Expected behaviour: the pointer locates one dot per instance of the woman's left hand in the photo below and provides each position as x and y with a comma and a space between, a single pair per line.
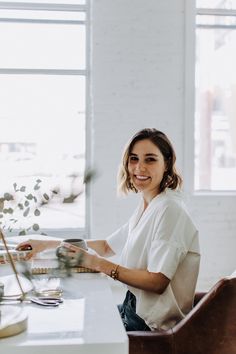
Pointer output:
85, 259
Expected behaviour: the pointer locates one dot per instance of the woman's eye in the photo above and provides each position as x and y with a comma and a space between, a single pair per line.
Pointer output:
133, 158
150, 159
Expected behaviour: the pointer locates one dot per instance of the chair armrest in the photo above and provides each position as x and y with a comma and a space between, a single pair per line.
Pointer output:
141, 342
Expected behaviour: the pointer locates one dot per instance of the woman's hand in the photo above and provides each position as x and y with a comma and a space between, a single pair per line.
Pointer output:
36, 246
83, 257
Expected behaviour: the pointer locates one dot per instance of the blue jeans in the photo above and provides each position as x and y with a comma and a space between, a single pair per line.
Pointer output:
131, 320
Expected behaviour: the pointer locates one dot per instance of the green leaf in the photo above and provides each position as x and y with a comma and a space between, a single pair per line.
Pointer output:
35, 199
22, 189
26, 212
70, 199
35, 227
88, 176
1, 216
38, 180
21, 233
5, 211
20, 206
37, 212
8, 196
1, 205
36, 187
15, 185
29, 196
26, 203
46, 196
10, 210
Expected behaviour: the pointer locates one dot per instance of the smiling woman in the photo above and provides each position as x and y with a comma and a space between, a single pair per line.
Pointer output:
158, 246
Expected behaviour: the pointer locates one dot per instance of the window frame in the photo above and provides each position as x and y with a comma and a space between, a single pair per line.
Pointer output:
59, 232
191, 12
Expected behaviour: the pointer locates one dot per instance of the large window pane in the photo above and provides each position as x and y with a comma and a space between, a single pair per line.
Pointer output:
42, 134
215, 130
48, 46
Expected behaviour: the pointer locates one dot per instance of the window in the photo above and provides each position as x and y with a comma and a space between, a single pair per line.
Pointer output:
43, 85
215, 101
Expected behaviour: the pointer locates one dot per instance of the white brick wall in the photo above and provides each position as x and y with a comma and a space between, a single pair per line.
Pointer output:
138, 78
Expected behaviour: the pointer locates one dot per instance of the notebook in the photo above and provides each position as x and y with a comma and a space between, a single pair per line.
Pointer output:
16, 255
45, 266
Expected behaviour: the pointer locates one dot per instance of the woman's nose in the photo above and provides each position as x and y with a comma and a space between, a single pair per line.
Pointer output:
140, 166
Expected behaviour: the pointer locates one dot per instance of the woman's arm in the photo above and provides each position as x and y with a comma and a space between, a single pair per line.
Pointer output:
101, 247
36, 246
141, 279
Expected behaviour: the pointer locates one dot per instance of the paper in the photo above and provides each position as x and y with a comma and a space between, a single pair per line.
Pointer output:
11, 287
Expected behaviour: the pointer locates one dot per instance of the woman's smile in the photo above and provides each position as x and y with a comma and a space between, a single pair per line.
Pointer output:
141, 178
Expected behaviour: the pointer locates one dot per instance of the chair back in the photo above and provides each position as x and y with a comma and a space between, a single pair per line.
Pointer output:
211, 326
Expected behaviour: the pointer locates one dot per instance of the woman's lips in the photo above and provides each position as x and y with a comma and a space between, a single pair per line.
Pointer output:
141, 178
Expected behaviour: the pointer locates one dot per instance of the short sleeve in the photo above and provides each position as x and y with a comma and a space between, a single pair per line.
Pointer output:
165, 257
171, 242
117, 239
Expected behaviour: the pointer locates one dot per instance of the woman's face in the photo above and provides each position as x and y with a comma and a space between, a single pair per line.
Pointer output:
146, 167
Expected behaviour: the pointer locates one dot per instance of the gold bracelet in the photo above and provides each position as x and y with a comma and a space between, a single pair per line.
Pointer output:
114, 273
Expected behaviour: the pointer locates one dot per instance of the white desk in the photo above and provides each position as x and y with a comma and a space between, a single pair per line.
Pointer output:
87, 322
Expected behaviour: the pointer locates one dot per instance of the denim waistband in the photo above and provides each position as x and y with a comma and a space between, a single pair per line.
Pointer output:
131, 320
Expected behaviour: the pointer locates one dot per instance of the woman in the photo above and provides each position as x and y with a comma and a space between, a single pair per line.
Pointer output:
159, 244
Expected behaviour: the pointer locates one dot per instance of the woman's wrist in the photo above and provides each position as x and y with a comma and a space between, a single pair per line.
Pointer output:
90, 261
115, 272
51, 244
102, 265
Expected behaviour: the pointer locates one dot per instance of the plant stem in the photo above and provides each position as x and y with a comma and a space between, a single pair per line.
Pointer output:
12, 264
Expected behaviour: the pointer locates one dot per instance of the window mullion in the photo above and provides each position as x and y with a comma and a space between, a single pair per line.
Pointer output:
20, 71
42, 21
42, 7
216, 12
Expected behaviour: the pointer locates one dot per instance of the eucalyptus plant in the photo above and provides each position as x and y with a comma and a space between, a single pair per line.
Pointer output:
26, 202
21, 204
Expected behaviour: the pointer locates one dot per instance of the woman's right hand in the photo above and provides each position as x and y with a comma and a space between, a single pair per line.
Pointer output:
36, 246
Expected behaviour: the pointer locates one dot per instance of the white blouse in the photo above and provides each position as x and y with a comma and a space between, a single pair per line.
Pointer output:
162, 239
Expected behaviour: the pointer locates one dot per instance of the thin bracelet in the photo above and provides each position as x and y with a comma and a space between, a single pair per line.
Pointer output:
114, 273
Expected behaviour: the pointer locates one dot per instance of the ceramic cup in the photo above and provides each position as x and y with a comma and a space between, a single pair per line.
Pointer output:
62, 252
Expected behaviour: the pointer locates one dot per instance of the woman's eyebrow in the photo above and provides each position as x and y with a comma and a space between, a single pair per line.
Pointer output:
148, 154
151, 154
